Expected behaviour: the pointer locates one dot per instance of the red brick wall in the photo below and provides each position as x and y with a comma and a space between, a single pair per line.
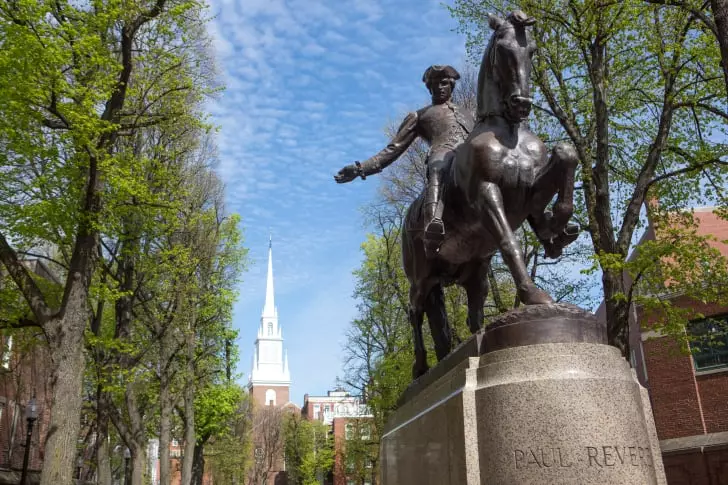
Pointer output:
258, 393
684, 404
307, 409
673, 390
339, 427
697, 468
713, 390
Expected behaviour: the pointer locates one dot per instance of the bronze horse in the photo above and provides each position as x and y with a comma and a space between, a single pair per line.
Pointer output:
500, 177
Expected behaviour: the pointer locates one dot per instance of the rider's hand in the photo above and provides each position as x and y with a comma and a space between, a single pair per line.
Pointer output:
347, 174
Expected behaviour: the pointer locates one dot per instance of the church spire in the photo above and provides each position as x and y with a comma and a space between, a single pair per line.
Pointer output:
269, 309
270, 371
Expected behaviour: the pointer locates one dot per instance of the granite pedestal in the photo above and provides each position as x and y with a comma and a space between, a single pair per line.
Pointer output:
535, 398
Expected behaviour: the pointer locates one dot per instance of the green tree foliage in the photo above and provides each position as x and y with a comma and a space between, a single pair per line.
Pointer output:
223, 428
361, 451
309, 450
637, 88
105, 155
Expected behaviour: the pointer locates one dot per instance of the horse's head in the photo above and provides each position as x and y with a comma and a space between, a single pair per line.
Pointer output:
508, 69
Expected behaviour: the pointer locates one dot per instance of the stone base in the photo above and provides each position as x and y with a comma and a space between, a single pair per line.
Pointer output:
514, 406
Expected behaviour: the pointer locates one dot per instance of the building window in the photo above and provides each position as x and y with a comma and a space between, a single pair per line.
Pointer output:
270, 328
8, 351
709, 342
270, 397
348, 431
366, 433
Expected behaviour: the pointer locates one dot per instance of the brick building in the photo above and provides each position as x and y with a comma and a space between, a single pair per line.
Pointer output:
24, 374
688, 391
350, 422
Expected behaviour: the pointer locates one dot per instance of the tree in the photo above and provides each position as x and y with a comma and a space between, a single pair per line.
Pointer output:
713, 15
309, 450
268, 443
67, 73
635, 87
223, 429
361, 451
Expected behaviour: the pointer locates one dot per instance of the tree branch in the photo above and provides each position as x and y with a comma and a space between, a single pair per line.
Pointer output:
693, 167
22, 278
19, 323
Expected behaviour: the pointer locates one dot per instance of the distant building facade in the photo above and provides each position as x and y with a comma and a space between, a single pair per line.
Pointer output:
349, 419
688, 391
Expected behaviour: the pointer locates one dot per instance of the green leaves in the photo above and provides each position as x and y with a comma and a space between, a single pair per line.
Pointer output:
309, 450
637, 87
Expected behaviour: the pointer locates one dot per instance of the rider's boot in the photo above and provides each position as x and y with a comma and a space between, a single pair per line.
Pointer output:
434, 227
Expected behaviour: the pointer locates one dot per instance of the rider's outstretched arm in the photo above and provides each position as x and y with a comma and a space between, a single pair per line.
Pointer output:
406, 134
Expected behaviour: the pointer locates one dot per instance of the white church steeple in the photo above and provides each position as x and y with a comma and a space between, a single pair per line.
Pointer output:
269, 309
270, 362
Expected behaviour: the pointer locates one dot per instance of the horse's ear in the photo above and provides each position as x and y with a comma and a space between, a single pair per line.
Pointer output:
494, 21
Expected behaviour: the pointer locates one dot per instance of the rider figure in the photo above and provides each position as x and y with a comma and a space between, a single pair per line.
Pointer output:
444, 126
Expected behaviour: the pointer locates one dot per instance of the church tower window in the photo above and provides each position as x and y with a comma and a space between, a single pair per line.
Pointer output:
270, 328
270, 397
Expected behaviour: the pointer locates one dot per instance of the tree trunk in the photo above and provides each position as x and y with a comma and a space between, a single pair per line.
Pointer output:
138, 464
165, 432
720, 14
198, 464
103, 463
65, 338
189, 402
617, 311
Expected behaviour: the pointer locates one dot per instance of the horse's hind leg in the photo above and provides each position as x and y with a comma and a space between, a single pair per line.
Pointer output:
496, 222
476, 287
416, 316
439, 325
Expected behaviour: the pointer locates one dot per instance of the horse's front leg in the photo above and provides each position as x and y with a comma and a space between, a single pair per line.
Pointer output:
565, 162
557, 177
490, 202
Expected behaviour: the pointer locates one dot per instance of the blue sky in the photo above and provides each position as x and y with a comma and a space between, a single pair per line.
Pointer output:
310, 86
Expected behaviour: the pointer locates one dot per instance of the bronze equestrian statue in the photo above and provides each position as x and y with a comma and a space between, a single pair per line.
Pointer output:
444, 126
500, 176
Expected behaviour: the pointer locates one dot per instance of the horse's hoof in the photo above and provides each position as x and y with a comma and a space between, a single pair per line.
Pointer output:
533, 295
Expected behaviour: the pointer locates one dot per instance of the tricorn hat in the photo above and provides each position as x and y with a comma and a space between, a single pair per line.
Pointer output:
439, 72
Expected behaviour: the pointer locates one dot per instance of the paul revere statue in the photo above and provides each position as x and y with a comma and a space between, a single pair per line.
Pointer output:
444, 126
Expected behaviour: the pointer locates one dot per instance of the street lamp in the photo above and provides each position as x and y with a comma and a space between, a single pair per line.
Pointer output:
31, 414
127, 471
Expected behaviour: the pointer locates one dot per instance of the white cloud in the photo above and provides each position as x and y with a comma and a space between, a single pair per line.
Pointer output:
310, 86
